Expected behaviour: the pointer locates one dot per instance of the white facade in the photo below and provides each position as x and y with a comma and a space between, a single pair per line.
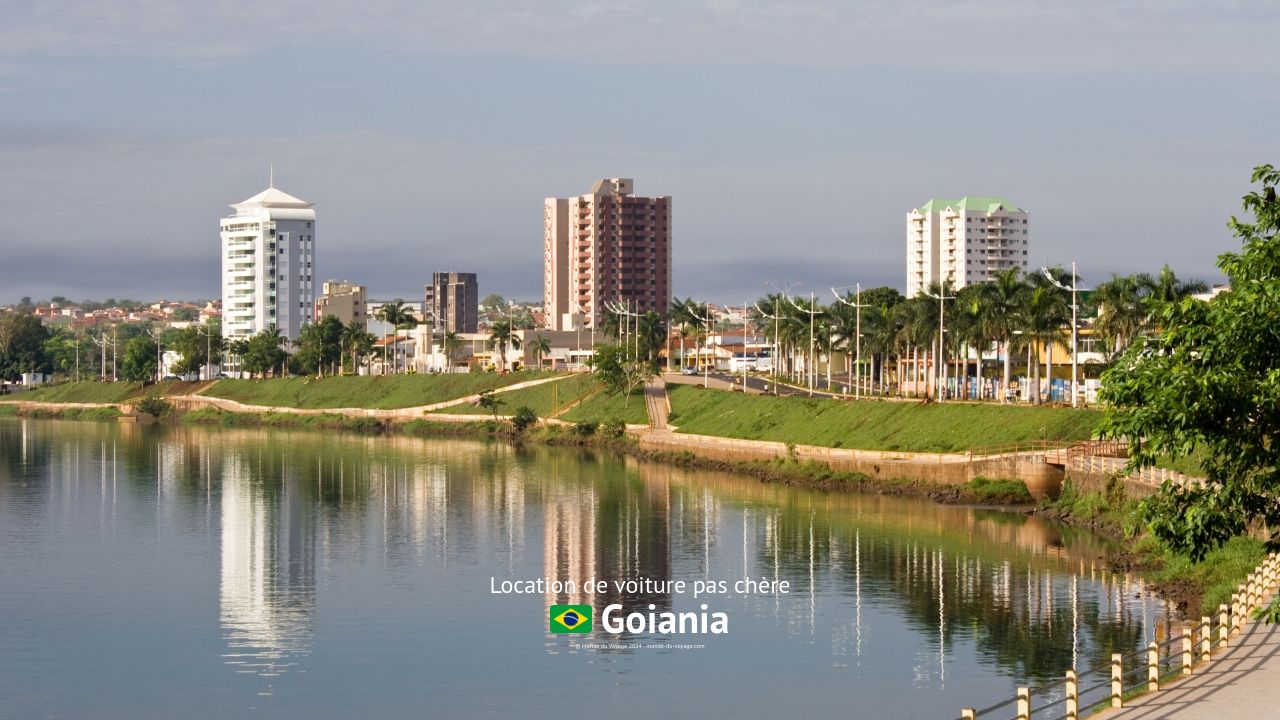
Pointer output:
268, 258
966, 241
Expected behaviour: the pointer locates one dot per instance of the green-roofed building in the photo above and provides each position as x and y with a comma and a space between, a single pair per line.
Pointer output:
963, 241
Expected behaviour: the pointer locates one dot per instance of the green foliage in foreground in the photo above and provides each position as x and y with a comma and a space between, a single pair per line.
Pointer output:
871, 424
1218, 573
1210, 382
379, 392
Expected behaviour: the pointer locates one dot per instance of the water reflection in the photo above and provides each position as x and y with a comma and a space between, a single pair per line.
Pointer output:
297, 518
268, 586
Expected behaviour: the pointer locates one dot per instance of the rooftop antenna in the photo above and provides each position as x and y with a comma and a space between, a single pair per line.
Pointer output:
271, 175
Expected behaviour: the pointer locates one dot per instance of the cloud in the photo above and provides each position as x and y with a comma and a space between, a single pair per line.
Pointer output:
1004, 35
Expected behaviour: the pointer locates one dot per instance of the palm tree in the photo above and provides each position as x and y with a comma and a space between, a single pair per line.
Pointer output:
356, 340
1045, 309
1167, 288
687, 314
651, 329
501, 336
450, 346
395, 314
970, 330
541, 346
1002, 302
1121, 305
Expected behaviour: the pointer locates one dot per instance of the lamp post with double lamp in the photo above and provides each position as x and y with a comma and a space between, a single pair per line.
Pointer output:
706, 369
624, 310
776, 317
208, 351
813, 312
1075, 328
857, 305
941, 372
159, 354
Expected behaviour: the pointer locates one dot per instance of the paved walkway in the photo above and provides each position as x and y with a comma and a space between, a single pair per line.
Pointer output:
1244, 682
655, 401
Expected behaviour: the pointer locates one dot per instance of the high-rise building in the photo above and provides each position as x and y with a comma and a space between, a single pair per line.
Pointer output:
965, 241
452, 301
602, 247
343, 300
268, 253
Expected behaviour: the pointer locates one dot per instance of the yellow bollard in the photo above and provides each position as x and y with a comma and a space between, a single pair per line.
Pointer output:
1024, 703
1153, 666
1073, 696
1186, 651
1117, 681
1206, 646
968, 714
1224, 624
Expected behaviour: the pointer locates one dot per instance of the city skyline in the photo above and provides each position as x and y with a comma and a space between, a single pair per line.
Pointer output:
793, 136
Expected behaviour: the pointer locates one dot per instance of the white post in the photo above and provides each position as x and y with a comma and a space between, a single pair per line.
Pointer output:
857, 387
1075, 338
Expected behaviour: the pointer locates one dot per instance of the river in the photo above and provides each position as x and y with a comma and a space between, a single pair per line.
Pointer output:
160, 572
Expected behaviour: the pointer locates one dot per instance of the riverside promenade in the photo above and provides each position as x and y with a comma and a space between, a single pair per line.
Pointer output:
1243, 682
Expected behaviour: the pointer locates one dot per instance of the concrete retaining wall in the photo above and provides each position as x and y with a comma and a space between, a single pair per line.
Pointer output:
1042, 479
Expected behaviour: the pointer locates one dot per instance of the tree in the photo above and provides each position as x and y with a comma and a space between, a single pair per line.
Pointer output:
139, 362
22, 346
541, 346
194, 344
1045, 309
1121, 308
493, 301
618, 373
450, 346
486, 401
1209, 381
358, 341
1002, 302
500, 338
263, 353
397, 315
523, 418
320, 345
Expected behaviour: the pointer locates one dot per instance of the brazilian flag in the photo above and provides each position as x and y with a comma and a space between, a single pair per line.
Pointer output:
569, 619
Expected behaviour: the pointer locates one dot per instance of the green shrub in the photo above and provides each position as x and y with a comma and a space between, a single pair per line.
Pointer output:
1002, 491
614, 428
523, 418
153, 405
586, 428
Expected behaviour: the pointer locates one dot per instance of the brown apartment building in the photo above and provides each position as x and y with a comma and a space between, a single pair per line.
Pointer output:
602, 247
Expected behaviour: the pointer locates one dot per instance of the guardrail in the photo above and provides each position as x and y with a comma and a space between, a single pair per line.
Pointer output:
1022, 446
1150, 475
1148, 669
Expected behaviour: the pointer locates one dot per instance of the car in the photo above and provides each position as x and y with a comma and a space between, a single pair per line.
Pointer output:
688, 370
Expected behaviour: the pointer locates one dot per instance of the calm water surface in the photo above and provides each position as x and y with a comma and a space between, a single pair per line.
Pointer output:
211, 573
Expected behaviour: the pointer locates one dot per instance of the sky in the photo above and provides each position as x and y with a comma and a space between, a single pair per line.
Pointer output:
793, 136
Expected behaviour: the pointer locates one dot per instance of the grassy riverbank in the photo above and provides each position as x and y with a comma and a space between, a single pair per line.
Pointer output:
872, 424
378, 392
1196, 588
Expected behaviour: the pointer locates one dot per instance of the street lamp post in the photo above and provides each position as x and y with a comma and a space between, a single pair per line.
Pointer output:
941, 372
1075, 329
813, 312
777, 342
706, 369
159, 354
857, 305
